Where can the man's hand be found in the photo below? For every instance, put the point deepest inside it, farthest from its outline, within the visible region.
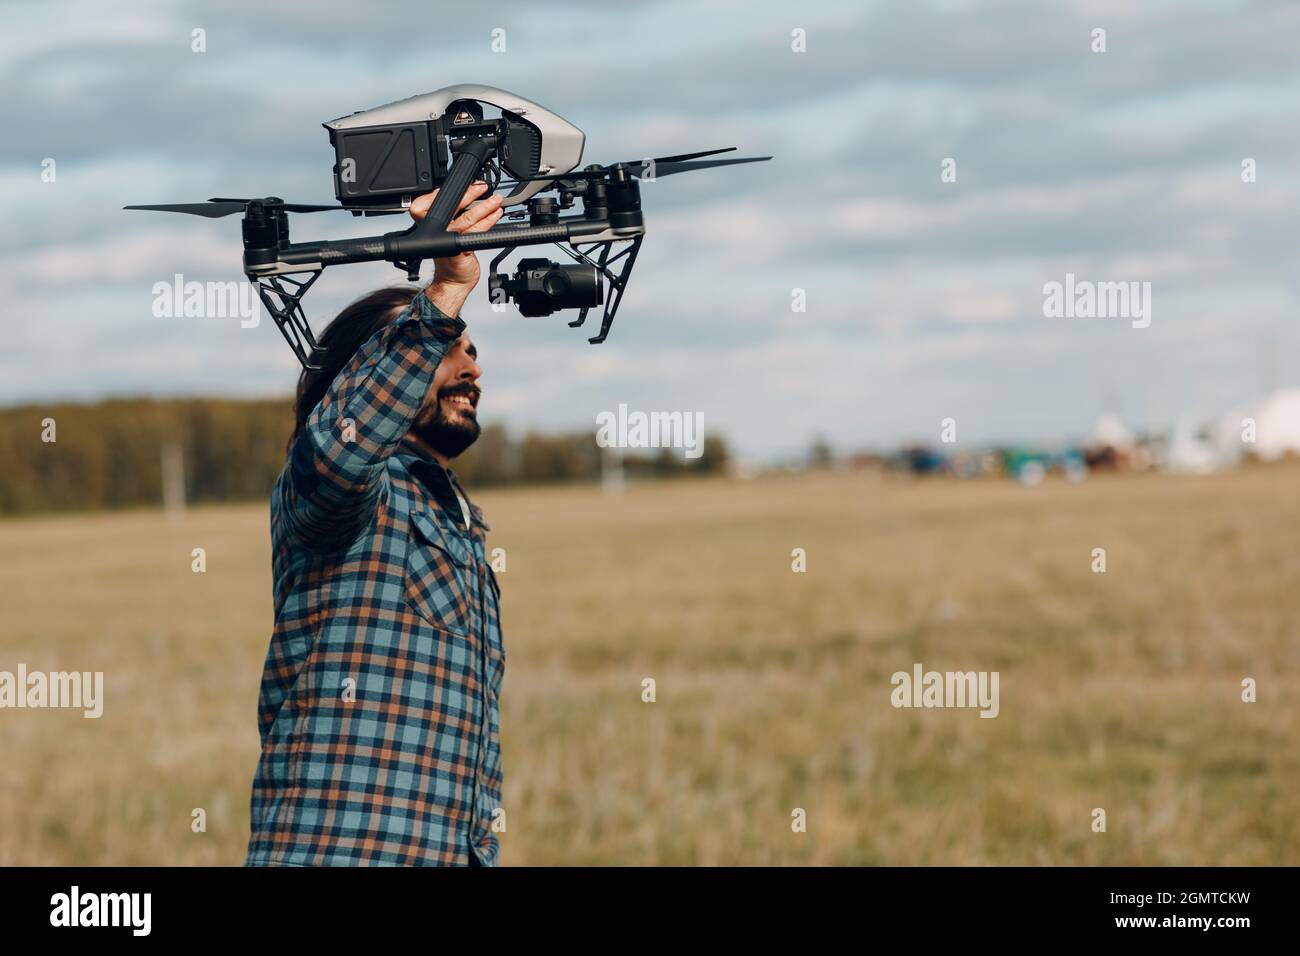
(456, 276)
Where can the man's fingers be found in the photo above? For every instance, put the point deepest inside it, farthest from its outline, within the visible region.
(476, 190)
(420, 204)
(474, 217)
(488, 221)
(479, 211)
(482, 225)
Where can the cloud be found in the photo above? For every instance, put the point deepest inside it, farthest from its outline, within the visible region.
(922, 296)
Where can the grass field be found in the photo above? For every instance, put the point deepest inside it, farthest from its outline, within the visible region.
(1119, 690)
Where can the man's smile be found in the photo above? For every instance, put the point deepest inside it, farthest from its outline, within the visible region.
(463, 401)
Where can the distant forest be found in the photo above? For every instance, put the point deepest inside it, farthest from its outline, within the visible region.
(112, 454)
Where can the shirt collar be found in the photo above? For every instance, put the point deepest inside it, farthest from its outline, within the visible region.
(441, 481)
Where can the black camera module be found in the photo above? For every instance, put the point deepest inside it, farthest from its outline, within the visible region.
(540, 287)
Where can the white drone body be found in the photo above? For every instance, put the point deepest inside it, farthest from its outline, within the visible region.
(559, 142)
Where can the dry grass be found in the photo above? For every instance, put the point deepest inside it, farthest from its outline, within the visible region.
(1119, 690)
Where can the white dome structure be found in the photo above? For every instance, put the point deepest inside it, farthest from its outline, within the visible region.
(1277, 425)
(1226, 435)
(1190, 454)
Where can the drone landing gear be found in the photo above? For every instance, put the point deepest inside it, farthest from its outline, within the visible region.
(617, 283)
(286, 310)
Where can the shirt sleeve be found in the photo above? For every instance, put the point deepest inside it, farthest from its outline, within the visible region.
(335, 474)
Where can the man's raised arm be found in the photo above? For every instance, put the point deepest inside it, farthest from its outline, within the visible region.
(335, 472)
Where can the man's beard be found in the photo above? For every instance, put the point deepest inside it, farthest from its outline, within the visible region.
(443, 435)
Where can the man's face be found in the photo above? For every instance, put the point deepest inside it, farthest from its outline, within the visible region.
(449, 419)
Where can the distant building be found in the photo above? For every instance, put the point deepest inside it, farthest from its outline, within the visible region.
(1277, 426)
(1267, 432)
(1190, 452)
(1112, 445)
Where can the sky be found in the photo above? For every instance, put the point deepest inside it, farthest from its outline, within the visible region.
(923, 299)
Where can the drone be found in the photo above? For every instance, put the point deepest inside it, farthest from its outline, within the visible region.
(387, 156)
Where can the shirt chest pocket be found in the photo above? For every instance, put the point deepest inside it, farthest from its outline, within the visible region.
(438, 570)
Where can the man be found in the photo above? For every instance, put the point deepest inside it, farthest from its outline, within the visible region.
(378, 706)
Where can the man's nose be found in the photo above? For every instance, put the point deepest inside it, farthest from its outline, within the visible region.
(469, 371)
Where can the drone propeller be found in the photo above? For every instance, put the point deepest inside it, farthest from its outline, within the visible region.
(671, 167)
(212, 210)
(216, 208)
(681, 156)
(663, 166)
(281, 204)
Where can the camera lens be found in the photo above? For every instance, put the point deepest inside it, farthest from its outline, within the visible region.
(541, 287)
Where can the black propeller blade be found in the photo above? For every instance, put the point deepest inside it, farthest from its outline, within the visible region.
(216, 208)
(673, 159)
(286, 206)
(664, 166)
(211, 210)
(671, 167)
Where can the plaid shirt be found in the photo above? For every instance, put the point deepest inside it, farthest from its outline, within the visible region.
(378, 706)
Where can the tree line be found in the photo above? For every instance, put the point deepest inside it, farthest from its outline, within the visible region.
(73, 457)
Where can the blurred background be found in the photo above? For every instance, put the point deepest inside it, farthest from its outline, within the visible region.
(860, 322)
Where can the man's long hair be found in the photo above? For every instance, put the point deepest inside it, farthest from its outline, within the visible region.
(342, 337)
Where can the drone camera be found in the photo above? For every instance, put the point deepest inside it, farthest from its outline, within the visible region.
(540, 287)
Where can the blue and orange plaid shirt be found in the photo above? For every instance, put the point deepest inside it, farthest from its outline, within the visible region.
(378, 706)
